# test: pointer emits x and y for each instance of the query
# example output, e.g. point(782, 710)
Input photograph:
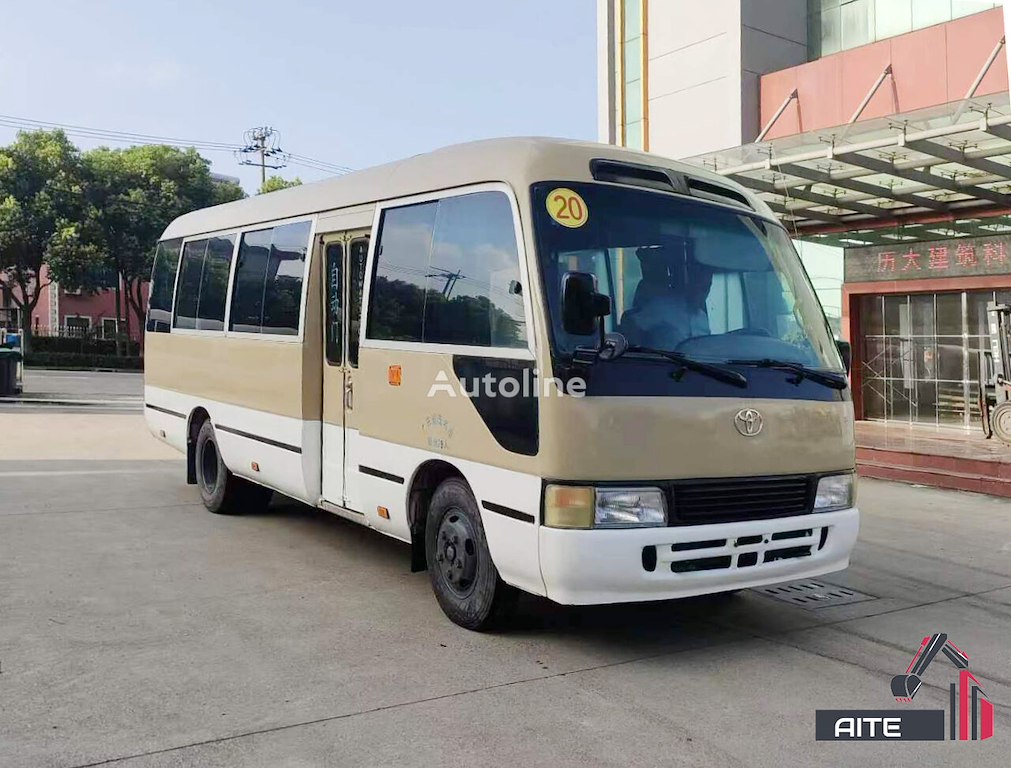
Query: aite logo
point(969, 718)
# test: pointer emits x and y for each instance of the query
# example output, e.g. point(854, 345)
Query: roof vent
point(634, 174)
point(716, 192)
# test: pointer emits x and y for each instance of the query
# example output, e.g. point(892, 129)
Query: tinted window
point(214, 283)
point(247, 295)
point(334, 308)
point(398, 295)
point(267, 296)
point(188, 289)
point(282, 290)
point(357, 254)
point(448, 273)
point(163, 282)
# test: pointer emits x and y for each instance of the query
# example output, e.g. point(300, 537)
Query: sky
point(350, 82)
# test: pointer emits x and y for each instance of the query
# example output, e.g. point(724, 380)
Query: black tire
point(222, 492)
point(464, 578)
point(1000, 421)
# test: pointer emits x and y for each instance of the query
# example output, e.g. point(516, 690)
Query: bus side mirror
point(582, 306)
point(846, 352)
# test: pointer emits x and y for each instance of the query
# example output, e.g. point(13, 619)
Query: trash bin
point(9, 359)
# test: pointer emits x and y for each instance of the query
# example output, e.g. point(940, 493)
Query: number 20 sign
point(567, 208)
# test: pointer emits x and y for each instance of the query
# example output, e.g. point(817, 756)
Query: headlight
point(834, 492)
point(586, 507)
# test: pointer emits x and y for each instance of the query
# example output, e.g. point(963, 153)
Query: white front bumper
point(608, 566)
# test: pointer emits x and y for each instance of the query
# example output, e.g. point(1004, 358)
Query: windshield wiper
point(833, 380)
point(707, 369)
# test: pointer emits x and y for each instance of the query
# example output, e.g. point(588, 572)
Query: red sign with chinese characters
point(944, 258)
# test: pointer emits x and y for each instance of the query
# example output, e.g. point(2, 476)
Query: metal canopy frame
point(937, 165)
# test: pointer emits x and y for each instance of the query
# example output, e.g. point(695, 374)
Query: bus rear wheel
point(464, 578)
point(221, 491)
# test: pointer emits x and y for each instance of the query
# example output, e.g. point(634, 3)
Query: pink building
point(62, 310)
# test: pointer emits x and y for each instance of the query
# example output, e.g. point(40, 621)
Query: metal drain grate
point(813, 594)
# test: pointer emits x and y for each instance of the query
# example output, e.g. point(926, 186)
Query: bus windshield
point(683, 276)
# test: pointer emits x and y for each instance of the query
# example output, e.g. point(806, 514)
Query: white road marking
point(67, 472)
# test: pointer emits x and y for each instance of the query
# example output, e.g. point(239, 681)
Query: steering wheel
point(751, 332)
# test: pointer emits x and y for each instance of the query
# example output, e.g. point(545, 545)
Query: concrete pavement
point(136, 629)
point(141, 630)
point(82, 391)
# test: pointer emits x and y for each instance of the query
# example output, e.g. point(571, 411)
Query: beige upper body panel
point(593, 438)
point(670, 438)
point(517, 162)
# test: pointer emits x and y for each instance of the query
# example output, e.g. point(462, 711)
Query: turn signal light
point(383, 512)
point(568, 506)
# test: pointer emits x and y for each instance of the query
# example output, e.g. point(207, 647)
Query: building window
point(919, 355)
point(447, 272)
point(633, 63)
point(267, 296)
point(838, 25)
point(109, 326)
point(77, 326)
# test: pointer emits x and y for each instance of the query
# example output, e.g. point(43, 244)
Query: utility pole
point(264, 142)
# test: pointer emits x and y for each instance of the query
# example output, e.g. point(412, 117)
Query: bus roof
point(517, 161)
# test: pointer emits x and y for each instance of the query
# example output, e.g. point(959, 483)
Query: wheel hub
point(456, 552)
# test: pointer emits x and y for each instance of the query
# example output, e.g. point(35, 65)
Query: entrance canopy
point(933, 174)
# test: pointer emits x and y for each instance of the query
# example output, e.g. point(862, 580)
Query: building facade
point(63, 311)
point(880, 132)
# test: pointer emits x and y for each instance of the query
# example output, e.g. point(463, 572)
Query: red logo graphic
point(972, 707)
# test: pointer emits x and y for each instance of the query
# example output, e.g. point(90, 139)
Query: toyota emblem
point(748, 422)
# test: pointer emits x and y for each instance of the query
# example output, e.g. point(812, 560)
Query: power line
point(127, 137)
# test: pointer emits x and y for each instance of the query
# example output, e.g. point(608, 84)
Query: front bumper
point(585, 567)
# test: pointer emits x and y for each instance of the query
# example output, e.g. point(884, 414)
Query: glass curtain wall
point(838, 25)
point(632, 35)
point(920, 354)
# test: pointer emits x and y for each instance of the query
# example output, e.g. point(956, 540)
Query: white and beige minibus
point(571, 369)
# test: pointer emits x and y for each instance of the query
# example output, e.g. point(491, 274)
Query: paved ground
point(138, 630)
point(81, 391)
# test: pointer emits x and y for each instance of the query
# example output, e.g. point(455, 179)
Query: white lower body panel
point(609, 566)
point(286, 450)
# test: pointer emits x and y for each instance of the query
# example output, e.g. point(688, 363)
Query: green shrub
point(81, 346)
point(37, 359)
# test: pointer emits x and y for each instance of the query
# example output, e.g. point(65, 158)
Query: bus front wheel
point(222, 492)
point(464, 578)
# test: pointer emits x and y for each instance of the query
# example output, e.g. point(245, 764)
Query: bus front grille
point(731, 500)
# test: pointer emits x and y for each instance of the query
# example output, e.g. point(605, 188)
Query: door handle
point(349, 396)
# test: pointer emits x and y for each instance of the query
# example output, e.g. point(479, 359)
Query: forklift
point(995, 375)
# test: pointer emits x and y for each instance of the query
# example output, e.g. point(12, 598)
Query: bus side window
point(334, 310)
point(357, 254)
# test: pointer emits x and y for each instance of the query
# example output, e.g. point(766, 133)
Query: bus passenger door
point(357, 253)
point(334, 250)
point(344, 257)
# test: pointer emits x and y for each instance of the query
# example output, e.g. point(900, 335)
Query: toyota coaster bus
point(571, 369)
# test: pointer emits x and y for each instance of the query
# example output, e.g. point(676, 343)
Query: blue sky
point(354, 83)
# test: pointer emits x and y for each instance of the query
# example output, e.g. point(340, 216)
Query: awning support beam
point(775, 117)
point(924, 177)
point(855, 185)
point(953, 155)
point(813, 197)
point(870, 94)
point(828, 218)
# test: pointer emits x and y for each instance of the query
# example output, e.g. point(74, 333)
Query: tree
point(41, 209)
point(274, 183)
point(133, 194)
